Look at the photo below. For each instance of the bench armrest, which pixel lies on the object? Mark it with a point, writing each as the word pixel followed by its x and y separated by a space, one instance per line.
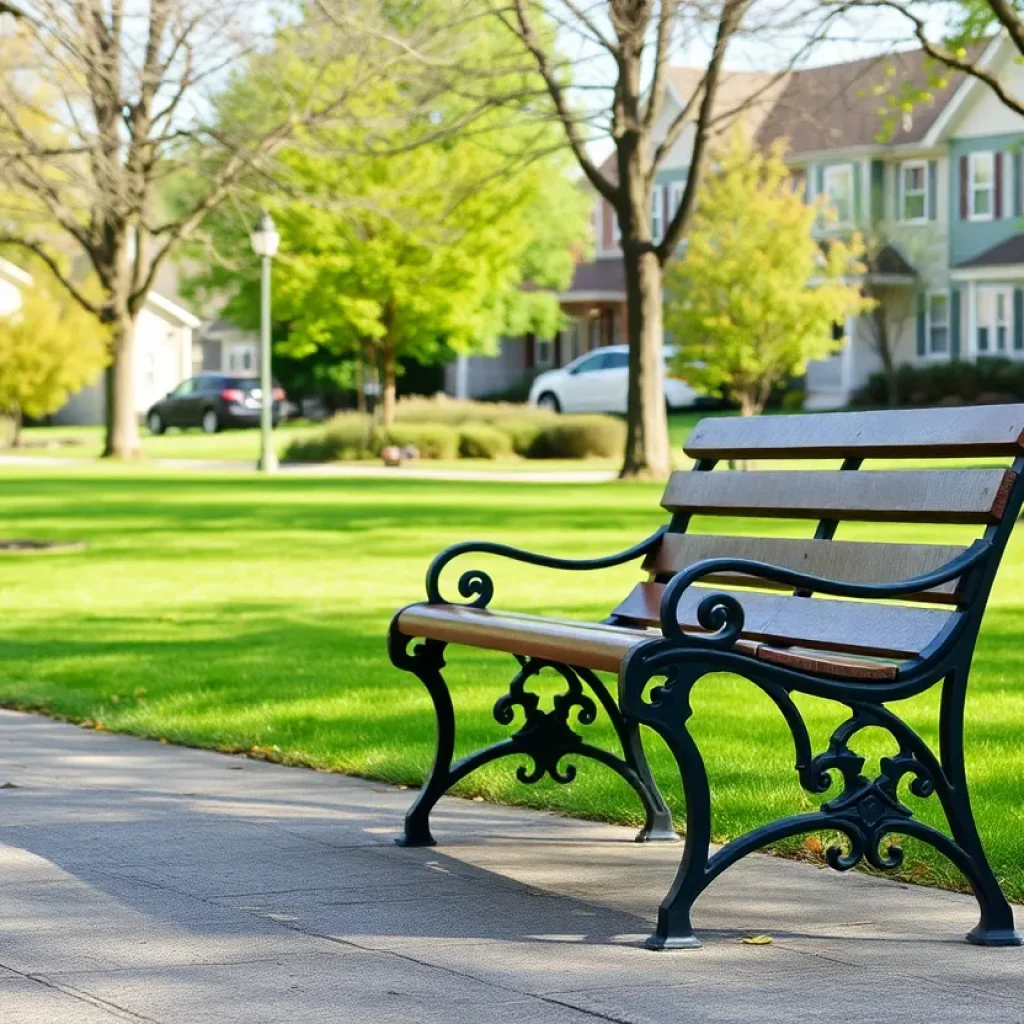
pixel 476 584
pixel 722 614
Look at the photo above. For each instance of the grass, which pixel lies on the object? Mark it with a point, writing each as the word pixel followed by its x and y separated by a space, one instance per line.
pixel 249 614
pixel 86 443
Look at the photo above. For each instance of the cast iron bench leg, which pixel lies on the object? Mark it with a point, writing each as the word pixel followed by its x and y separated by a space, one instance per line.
pixel 866 811
pixel 546 736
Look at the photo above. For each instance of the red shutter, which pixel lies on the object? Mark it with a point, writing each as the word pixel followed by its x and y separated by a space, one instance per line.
pixel 997 199
pixel 963 188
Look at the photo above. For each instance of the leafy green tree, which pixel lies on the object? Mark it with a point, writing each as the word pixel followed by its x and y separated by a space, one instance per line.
pixel 411 243
pixel 754 297
pixel 49 348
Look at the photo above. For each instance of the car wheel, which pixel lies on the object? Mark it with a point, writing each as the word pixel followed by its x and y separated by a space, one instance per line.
pixel 210 423
pixel 155 423
pixel 549 401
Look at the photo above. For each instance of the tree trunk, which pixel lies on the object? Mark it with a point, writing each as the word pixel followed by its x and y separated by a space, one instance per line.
pixel 122 440
pixel 883 346
pixel 647 449
pixel 16 421
pixel 388 389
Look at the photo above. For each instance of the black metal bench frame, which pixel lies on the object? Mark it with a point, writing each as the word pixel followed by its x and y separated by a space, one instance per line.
pixel 657 678
pixel 546 737
pixel 867 809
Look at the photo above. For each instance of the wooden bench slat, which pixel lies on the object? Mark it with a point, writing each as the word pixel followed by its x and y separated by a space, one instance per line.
pixel 908 496
pixel 852 561
pixel 851 627
pixel 891 434
pixel 592 645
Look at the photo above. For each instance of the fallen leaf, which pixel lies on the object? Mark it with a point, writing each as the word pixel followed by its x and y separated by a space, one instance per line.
pixel 757 940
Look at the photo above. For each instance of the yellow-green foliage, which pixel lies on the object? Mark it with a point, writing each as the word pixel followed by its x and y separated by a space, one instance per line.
pixel 49 348
pixel 755 296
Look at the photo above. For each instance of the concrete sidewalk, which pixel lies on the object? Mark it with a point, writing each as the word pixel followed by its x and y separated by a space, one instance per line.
pixel 141 882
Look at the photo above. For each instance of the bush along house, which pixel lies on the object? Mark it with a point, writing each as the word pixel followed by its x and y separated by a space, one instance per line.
pixel 937 193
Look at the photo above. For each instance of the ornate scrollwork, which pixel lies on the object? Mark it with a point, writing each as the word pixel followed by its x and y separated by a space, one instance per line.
pixel 546 736
pixel 866 809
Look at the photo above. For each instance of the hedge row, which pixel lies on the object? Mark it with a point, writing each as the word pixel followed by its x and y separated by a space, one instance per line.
pixel 988 380
pixel 350 436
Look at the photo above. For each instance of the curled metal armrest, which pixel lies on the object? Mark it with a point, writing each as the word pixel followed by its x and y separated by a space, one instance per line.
pixel 476 584
pixel 722 614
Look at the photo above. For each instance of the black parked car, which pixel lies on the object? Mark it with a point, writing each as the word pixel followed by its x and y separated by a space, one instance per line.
pixel 213 401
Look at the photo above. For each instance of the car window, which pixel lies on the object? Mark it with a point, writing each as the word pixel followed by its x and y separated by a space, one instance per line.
pixel 244 383
pixel 589 365
pixel 616 361
pixel 186 387
pixel 208 384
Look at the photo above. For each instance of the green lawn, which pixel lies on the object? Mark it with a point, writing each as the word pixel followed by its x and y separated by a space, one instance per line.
pixel 244 445
pixel 245 613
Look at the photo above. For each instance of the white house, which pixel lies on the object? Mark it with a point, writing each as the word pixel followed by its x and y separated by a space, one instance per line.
pixel 163 350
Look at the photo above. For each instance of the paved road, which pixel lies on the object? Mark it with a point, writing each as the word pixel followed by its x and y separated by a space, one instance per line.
pixel 141 882
pixel 420 471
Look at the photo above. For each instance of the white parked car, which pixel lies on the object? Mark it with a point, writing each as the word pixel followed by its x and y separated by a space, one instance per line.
pixel 596 382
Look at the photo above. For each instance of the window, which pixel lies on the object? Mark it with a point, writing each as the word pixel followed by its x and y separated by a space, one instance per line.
pixel 992 328
pixel 657 211
pixel 938 324
pixel 542 352
pixel 616 361
pixel 837 185
pixel 914 191
pixel 186 387
pixel 675 197
pixel 981 186
pixel 241 358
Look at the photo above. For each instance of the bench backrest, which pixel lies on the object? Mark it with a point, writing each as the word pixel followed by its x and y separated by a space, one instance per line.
pixel 986 496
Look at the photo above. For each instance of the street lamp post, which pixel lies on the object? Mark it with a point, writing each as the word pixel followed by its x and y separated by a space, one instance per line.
pixel 265 242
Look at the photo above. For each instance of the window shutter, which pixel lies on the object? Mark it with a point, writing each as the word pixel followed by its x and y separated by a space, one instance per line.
pixel 877 190
pixel 1018 182
pixel 1018 319
pixel 921 340
pixel 819 180
pixel 963 187
pixel 997 191
pixel 858 193
pixel 933 196
pixel 954 323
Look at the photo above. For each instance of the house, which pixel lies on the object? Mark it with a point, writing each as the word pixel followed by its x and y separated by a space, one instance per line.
pixel 163 350
pixel 938 194
pixel 221 347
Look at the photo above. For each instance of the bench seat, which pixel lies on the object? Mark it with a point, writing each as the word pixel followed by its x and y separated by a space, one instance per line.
pixel 598 646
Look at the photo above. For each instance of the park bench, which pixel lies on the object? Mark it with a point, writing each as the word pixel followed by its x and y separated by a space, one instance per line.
pixel 778 613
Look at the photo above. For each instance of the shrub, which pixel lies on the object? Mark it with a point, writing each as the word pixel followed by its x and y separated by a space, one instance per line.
pixel 987 380
pixel 347 436
pixel 434 440
pixel 577 437
pixel 483 441
pixel 522 431
pixel 442 409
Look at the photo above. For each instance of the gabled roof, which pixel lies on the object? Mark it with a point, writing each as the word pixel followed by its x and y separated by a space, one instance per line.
pixel 604 278
pixel 749 95
pixel 1005 253
pixel 838 106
